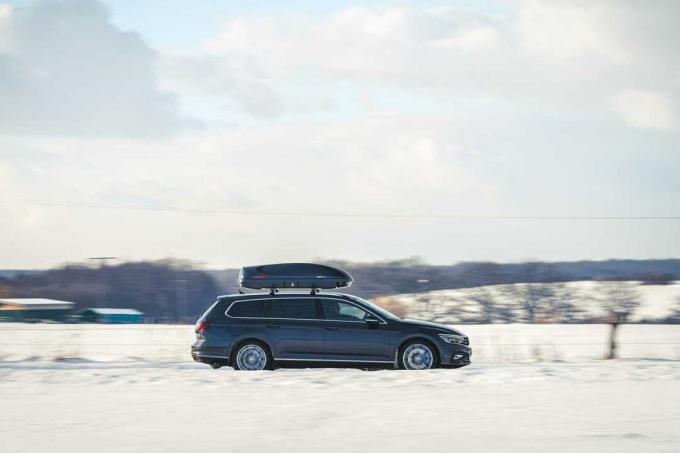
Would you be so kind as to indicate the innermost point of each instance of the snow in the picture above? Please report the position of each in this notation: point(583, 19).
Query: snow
point(595, 406)
point(531, 388)
point(114, 311)
point(34, 303)
point(656, 301)
point(496, 343)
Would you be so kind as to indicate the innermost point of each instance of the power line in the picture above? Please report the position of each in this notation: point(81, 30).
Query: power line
point(378, 215)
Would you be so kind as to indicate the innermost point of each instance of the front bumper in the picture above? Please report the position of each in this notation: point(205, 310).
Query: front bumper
point(455, 355)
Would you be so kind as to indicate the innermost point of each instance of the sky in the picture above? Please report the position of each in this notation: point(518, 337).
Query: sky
point(234, 133)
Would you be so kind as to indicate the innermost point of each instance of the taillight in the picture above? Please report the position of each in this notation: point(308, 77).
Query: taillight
point(201, 327)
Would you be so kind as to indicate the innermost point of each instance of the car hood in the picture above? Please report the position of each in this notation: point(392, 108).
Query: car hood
point(433, 325)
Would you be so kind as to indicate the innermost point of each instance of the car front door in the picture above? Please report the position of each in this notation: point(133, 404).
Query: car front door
point(349, 336)
point(294, 328)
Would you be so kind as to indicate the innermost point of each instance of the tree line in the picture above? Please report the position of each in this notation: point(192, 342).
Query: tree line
point(165, 291)
point(608, 302)
point(177, 290)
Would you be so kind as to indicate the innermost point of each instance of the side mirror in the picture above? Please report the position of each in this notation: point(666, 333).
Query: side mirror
point(372, 322)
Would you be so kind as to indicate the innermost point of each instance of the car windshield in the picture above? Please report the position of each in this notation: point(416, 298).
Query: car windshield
point(377, 309)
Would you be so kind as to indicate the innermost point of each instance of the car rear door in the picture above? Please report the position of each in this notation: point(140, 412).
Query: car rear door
point(294, 327)
point(348, 337)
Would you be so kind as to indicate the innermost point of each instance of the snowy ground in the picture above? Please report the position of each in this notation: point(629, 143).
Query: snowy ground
point(594, 406)
point(656, 301)
point(535, 388)
point(491, 343)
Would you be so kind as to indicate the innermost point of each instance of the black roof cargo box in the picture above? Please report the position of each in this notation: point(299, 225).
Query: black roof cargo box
point(293, 275)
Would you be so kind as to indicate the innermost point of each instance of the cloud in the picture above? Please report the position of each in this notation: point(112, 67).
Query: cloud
point(577, 29)
point(66, 70)
point(360, 42)
point(236, 86)
point(645, 109)
point(239, 89)
point(387, 162)
point(382, 164)
point(533, 108)
point(567, 57)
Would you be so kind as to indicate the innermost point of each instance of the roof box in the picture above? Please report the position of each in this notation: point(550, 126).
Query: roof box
point(293, 275)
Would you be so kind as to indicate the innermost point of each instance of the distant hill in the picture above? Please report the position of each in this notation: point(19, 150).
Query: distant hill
point(579, 301)
point(413, 276)
point(166, 290)
point(175, 289)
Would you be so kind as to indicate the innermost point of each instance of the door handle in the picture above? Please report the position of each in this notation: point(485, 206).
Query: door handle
point(273, 325)
point(331, 328)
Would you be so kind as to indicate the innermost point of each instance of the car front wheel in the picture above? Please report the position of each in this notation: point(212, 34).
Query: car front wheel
point(418, 355)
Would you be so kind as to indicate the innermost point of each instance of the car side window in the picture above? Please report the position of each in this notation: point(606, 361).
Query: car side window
point(246, 309)
point(336, 310)
point(293, 308)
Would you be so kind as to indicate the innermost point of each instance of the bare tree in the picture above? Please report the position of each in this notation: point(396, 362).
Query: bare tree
point(557, 303)
point(485, 300)
point(493, 308)
point(526, 297)
point(543, 302)
point(530, 297)
point(505, 312)
point(674, 317)
point(619, 300)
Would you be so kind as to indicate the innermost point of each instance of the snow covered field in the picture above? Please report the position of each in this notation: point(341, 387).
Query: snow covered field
point(656, 301)
point(595, 406)
point(497, 343)
point(84, 388)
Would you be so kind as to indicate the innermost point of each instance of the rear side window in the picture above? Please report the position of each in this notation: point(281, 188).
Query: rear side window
point(246, 309)
point(293, 308)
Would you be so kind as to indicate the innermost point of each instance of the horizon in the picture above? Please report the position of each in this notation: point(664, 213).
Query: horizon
point(403, 262)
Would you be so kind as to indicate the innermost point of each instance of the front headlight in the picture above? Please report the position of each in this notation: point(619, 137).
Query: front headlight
point(451, 338)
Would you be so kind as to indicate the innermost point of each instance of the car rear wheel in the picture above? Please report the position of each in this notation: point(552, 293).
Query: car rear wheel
point(418, 355)
point(252, 356)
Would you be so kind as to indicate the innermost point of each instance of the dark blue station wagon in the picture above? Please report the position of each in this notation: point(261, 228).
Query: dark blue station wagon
point(265, 331)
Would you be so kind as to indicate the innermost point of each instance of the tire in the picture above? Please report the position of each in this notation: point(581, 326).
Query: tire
point(252, 355)
point(418, 355)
